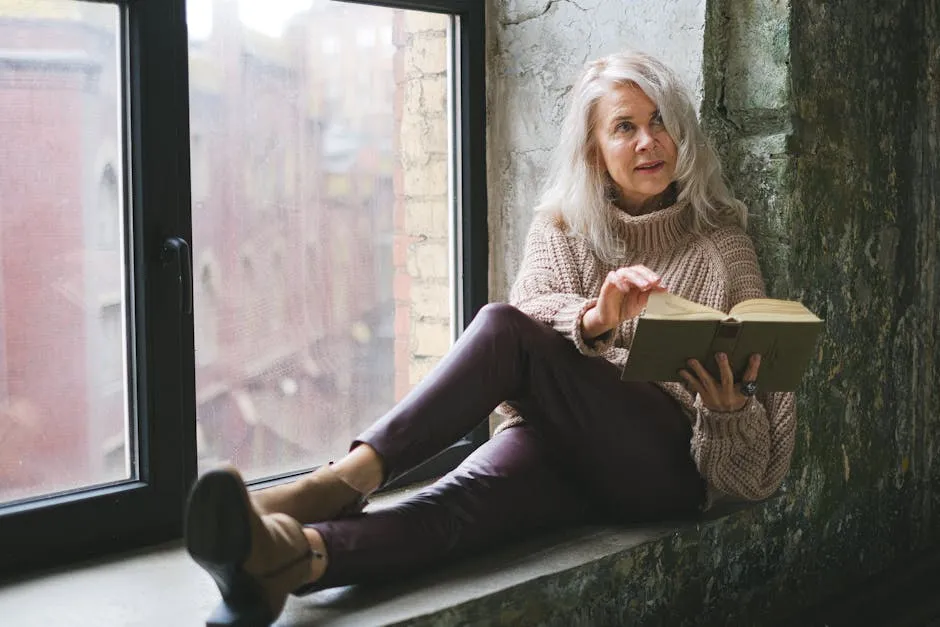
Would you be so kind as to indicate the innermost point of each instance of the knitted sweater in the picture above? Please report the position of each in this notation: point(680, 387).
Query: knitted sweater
point(741, 454)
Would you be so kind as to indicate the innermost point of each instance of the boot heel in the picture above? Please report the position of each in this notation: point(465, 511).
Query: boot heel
point(255, 561)
point(218, 538)
point(217, 530)
point(226, 614)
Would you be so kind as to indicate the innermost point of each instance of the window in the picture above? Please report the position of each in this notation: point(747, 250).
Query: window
point(330, 216)
point(206, 313)
point(347, 336)
point(109, 215)
point(201, 172)
point(329, 45)
point(365, 37)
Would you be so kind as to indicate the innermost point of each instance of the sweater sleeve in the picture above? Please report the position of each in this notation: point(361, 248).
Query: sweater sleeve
point(745, 453)
point(548, 286)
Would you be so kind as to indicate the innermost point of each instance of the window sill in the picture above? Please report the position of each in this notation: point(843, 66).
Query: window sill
point(161, 586)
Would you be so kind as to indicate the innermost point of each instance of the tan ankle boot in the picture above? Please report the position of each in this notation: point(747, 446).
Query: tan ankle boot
point(318, 496)
point(280, 558)
point(256, 561)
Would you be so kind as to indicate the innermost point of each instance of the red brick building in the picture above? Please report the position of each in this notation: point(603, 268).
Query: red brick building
point(292, 231)
point(59, 258)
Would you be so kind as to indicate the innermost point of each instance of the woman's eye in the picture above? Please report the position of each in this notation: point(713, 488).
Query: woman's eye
point(624, 127)
point(657, 119)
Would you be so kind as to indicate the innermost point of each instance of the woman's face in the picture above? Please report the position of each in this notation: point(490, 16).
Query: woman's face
point(638, 153)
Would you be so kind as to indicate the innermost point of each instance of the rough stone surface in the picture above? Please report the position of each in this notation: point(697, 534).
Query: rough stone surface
point(536, 50)
point(827, 116)
point(746, 110)
point(836, 156)
point(865, 219)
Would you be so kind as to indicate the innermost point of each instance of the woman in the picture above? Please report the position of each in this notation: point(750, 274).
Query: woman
point(636, 205)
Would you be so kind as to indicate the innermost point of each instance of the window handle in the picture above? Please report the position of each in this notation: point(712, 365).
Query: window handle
point(176, 250)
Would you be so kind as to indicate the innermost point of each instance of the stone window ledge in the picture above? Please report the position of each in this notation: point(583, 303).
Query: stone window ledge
point(559, 578)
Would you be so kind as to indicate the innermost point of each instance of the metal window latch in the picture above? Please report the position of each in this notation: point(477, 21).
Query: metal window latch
point(176, 251)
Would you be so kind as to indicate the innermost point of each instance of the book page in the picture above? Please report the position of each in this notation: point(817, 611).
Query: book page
point(663, 305)
point(769, 309)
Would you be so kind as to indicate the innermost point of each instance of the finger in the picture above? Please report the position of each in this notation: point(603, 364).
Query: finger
point(650, 276)
point(691, 382)
point(618, 280)
point(753, 366)
point(628, 276)
point(613, 290)
point(727, 377)
point(706, 379)
point(635, 278)
point(633, 303)
point(626, 284)
point(614, 283)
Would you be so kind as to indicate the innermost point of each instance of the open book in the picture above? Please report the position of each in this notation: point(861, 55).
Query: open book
point(672, 330)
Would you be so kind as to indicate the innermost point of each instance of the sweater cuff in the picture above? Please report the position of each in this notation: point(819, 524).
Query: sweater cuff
point(567, 321)
point(741, 423)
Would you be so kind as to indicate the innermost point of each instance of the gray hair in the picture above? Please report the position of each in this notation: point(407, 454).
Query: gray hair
point(578, 186)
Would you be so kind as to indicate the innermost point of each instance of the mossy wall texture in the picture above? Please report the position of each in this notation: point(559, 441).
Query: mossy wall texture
point(827, 115)
point(864, 232)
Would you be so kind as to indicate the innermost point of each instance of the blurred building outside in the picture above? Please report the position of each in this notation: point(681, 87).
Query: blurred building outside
point(322, 273)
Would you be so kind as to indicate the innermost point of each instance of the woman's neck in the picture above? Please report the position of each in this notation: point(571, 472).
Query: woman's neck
point(647, 205)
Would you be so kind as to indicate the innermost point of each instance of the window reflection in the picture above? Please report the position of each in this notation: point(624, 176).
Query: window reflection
point(63, 403)
point(322, 179)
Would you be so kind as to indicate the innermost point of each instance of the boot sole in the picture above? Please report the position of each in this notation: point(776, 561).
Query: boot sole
point(218, 538)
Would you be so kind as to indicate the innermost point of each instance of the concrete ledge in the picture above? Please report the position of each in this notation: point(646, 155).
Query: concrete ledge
point(564, 578)
point(584, 576)
point(496, 588)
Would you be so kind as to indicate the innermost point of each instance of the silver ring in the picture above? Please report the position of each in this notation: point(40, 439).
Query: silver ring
point(749, 388)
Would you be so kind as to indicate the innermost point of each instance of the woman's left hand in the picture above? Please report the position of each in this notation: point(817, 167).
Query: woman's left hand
point(724, 395)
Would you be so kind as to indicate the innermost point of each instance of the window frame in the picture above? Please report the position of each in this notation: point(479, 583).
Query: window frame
point(58, 530)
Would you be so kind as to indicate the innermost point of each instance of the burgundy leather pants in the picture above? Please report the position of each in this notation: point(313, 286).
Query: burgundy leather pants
point(592, 447)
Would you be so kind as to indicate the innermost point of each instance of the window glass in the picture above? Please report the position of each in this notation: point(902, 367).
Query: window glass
point(324, 201)
point(63, 373)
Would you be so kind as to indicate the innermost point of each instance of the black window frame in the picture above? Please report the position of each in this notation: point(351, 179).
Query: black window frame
point(58, 530)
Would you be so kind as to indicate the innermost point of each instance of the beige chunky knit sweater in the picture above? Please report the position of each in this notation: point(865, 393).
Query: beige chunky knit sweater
point(741, 454)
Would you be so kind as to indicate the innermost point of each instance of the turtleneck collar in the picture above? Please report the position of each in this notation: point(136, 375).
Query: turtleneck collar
point(657, 230)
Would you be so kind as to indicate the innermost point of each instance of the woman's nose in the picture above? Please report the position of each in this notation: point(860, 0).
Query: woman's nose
point(644, 139)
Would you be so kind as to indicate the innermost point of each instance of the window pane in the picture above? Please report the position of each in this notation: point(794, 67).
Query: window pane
point(322, 238)
point(63, 377)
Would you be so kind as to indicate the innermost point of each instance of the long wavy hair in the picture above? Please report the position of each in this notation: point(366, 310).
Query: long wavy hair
point(579, 188)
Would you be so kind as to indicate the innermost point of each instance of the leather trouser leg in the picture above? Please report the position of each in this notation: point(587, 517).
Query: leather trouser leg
point(606, 429)
point(508, 488)
point(625, 446)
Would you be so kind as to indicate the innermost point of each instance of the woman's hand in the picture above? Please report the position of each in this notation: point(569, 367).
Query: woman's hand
point(623, 296)
point(724, 395)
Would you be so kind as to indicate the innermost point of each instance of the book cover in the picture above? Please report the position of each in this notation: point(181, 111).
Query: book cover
point(672, 330)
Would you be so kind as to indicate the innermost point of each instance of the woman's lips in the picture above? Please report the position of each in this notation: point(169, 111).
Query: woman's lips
point(650, 168)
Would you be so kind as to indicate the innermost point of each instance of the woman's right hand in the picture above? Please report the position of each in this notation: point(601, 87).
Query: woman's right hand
point(623, 296)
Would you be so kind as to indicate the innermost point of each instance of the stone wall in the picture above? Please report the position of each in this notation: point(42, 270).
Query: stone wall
point(865, 184)
point(827, 116)
point(536, 50)
point(746, 112)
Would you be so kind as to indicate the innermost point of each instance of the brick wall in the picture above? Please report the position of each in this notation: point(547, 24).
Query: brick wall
point(422, 212)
